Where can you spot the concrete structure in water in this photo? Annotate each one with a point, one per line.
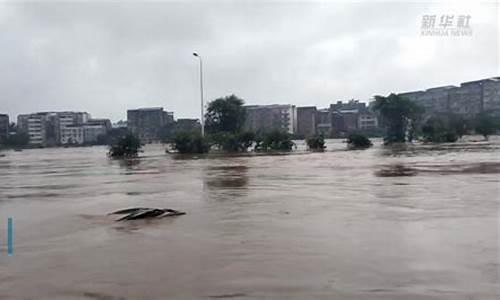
(265, 118)
(4, 128)
(149, 124)
(466, 100)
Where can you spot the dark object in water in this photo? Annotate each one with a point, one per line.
(146, 213)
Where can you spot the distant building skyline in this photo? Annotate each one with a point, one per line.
(431, 94)
(90, 56)
(61, 128)
(153, 124)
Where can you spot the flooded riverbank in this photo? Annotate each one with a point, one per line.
(419, 222)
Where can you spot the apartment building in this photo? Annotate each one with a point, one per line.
(95, 128)
(149, 124)
(306, 120)
(467, 100)
(61, 128)
(35, 125)
(4, 128)
(352, 116)
(264, 118)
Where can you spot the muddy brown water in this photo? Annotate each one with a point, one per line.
(416, 222)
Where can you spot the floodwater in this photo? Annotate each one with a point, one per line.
(419, 222)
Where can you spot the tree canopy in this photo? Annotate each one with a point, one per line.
(190, 142)
(397, 114)
(485, 125)
(126, 146)
(316, 143)
(357, 141)
(225, 114)
(275, 140)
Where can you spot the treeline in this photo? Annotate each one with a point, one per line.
(225, 131)
(405, 121)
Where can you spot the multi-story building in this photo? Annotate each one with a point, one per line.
(433, 100)
(352, 116)
(72, 135)
(4, 128)
(491, 96)
(306, 120)
(95, 128)
(324, 122)
(187, 125)
(351, 105)
(148, 124)
(35, 125)
(263, 118)
(70, 120)
(367, 121)
(467, 100)
(61, 128)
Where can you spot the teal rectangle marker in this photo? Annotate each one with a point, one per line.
(10, 237)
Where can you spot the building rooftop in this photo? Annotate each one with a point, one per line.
(146, 109)
(480, 81)
(440, 88)
(268, 106)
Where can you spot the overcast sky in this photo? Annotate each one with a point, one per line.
(107, 57)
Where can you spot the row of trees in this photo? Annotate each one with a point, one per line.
(225, 128)
(404, 121)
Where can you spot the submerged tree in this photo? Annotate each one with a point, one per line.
(485, 125)
(190, 142)
(399, 115)
(316, 143)
(275, 140)
(233, 142)
(444, 128)
(127, 146)
(225, 121)
(225, 114)
(358, 141)
(18, 140)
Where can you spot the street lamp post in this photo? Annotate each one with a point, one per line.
(202, 119)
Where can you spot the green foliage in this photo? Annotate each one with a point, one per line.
(233, 142)
(225, 114)
(18, 140)
(399, 115)
(316, 142)
(275, 141)
(126, 146)
(443, 129)
(190, 142)
(358, 141)
(459, 124)
(485, 125)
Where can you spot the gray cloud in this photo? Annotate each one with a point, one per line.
(106, 57)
